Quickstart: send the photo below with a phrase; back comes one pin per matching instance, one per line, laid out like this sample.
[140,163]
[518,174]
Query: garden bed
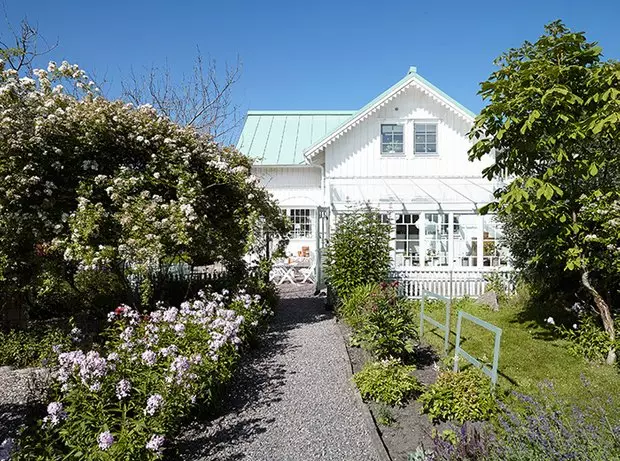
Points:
[409,428]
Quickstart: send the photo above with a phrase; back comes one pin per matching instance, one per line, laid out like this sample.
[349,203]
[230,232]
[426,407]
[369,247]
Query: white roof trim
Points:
[313,150]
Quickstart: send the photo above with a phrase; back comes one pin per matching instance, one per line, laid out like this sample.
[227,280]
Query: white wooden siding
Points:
[357,154]
[292,186]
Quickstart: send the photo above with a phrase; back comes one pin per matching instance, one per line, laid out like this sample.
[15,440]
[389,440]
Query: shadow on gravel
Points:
[256,383]
[13,415]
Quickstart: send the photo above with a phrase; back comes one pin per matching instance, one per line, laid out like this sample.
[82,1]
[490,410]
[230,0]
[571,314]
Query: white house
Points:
[404,154]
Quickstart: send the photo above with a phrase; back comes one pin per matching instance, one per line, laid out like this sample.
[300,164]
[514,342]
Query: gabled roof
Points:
[280,137]
[294,137]
[411,79]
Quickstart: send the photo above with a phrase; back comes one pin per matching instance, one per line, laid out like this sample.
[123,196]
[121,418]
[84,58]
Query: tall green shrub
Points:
[359,252]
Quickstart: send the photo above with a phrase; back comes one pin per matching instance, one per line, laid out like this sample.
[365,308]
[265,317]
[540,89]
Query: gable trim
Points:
[411,79]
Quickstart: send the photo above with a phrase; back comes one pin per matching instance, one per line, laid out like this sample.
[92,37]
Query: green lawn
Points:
[529,354]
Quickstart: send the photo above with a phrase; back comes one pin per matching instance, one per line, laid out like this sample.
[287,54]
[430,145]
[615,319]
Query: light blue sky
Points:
[317,54]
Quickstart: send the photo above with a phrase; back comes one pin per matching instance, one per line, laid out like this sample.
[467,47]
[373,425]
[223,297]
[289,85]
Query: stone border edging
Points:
[369,420]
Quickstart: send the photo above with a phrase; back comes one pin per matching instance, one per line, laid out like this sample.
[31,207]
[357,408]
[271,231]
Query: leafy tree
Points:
[552,128]
[359,252]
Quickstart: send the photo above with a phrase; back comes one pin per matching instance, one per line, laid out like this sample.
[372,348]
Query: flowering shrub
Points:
[94,190]
[388,328]
[125,400]
[388,382]
[459,396]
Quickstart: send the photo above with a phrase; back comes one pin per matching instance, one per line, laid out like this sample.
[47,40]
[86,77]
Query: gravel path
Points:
[292,398]
[20,391]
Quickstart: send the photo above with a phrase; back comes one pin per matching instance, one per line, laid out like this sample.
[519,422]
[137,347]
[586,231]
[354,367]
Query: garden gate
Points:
[322,240]
[443,327]
[459,352]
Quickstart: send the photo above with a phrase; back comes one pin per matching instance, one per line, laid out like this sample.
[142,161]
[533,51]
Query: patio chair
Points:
[308,272]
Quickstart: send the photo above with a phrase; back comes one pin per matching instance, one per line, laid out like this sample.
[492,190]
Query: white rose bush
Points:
[97,196]
[127,399]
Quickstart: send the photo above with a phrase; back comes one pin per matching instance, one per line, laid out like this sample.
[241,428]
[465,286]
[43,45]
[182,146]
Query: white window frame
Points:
[493,245]
[299,219]
[473,241]
[426,154]
[391,154]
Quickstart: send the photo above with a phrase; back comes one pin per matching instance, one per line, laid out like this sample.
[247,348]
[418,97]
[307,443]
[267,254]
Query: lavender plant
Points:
[125,400]
[549,428]
[470,442]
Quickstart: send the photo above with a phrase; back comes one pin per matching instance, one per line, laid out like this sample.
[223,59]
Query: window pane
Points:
[397,128]
[303,222]
[407,240]
[436,228]
[425,138]
[466,239]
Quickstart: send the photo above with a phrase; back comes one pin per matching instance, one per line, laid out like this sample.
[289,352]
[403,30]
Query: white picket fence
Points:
[455,283]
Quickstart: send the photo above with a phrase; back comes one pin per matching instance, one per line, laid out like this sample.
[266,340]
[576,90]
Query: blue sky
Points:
[312,54]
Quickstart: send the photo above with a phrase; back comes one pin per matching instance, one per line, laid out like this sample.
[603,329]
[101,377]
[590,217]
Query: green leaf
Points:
[593,170]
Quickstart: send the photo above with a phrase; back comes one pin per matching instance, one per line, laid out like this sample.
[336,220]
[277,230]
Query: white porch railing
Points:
[455,283]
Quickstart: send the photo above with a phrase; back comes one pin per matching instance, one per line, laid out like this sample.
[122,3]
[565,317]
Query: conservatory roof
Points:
[280,137]
[438,191]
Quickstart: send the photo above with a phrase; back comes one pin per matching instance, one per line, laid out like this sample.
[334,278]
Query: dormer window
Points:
[392,139]
[425,134]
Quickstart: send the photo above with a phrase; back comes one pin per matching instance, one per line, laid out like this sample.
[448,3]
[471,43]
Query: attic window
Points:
[391,139]
[425,138]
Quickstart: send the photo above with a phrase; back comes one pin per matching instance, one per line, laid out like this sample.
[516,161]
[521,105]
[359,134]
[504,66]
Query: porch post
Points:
[422,228]
[451,241]
[480,235]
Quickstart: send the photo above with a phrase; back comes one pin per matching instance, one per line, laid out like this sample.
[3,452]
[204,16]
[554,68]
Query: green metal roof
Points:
[280,137]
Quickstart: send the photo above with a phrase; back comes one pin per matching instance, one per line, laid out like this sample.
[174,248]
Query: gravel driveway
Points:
[291,399]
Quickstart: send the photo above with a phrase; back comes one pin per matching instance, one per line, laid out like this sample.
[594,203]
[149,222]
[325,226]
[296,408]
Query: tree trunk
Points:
[603,310]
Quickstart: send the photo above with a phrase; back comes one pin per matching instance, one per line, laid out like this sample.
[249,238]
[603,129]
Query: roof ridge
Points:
[301,112]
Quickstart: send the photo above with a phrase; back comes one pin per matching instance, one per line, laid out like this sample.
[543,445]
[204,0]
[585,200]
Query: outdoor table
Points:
[288,269]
